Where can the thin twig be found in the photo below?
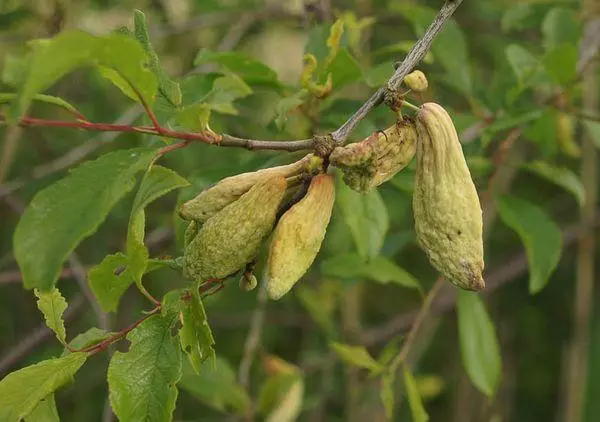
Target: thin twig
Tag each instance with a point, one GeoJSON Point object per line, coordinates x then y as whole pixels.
{"type": "Point", "coordinates": [253, 337]}
{"type": "Point", "coordinates": [416, 326]}
{"type": "Point", "coordinates": [414, 56]}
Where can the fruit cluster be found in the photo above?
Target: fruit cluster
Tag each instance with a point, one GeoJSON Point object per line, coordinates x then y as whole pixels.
{"type": "Point", "coordinates": [293, 203]}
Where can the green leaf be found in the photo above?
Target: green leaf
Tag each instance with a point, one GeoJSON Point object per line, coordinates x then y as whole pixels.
{"type": "Point", "coordinates": [250, 70]}
{"type": "Point", "coordinates": [109, 280]}
{"type": "Point", "coordinates": [344, 69]}
{"type": "Point", "coordinates": [540, 235]}
{"type": "Point", "coordinates": [22, 390]}
{"type": "Point", "coordinates": [527, 68]}
{"type": "Point", "coordinates": [356, 356]}
{"type": "Point", "coordinates": [387, 393]}
{"type": "Point", "coordinates": [142, 381]}
{"type": "Point", "coordinates": [285, 105]}
{"type": "Point", "coordinates": [281, 396]}
{"type": "Point", "coordinates": [414, 398]}
{"type": "Point", "coordinates": [65, 213]}
{"type": "Point", "coordinates": [367, 218]}
{"type": "Point", "coordinates": [166, 86]}
{"type": "Point", "coordinates": [92, 336]}
{"type": "Point", "coordinates": [515, 16]}
{"type": "Point", "coordinates": [593, 128]}
{"type": "Point", "coordinates": [48, 99]}
{"type": "Point", "coordinates": [560, 176]}
{"type": "Point", "coordinates": [225, 90]}
{"type": "Point", "coordinates": [157, 181]}
{"type": "Point", "coordinates": [53, 305]}
{"type": "Point", "coordinates": [449, 47]}
{"type": "Point", "coordinates": [390, 351]}
{"type": "Point", "coordinates": [560, 26]}
{"type": "Point", "coordinates": [479, 347]}
{"type": "Point", "coordinates": [215, 385]}
{"type": "Point", "coordinates": [45, 411]}
{"type": "Point", "coordinates": [195, 117]}
{"type": "Point", "coordinates": [196, 337]}
{"type": "Point", "coordinates": [376, 76]}
{"type": "Point", "coordinates": [379, 268]}
{"type": "Point", "coordinates": [51, 59]}
{"type": "Point", "coordinates": [561, 63]}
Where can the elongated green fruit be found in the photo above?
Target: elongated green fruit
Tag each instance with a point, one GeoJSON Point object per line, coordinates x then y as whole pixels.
{"type": "Point", "coordinates": [230, 239]}
{"type": "Point", "coordinates": [298, 236]}
{"type": "Point", "coordinates": [447, 212]}
{"type": "Point", "coordinates": [212, 200]}
{"type": "Point", "coordinates": [376, 159]}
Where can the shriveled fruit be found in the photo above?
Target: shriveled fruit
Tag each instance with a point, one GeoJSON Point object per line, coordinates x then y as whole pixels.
{"type": "Point", "coordinates": [231, 238]}
{"type": "Point", "coordinates": [378, 158]}
{"type": "Point", "coordinates": [248, 281]}
{"type": "Point", "coordinates": [298, 236]}
{"type": "Point", "coordinates": [212, 200]}
{"type": "Point", "coordinates": [417, 81]}
{"type": "Point", "coordinates": [447, 212]}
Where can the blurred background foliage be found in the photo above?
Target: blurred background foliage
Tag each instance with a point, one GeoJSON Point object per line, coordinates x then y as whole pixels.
{"type": "Point", "coordinates": [506, 70]}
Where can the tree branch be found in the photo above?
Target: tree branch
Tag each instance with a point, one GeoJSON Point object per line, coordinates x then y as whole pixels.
{"type": "Point", "coordinates": [414, 56]}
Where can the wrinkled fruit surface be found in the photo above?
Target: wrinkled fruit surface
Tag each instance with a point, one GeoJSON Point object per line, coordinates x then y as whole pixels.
{"type": "Point", "coordinates": [378, 158]}
{"type": "Point", "coordinates": [447, 212]}
{"type": "Point", "coordinates": [212, 200]}
{"type": "Point", "coordinates": [298, 236]}
{"type": "Point", "coordinates": [230, 239]}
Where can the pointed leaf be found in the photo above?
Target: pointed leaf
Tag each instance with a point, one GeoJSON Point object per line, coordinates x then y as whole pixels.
{"type": "Point", "coordinates": [48, 99]}
{"type": "Point", "coordinates": [367, 218]}
{"type": "Point", "coordinates": [561, 176]}
{"type": "Point", "coordinates": [53, 305]}
{"type": "Point", "coordinates": [540, 235]}
{"type": "Point", "coordinates": [21, 391]}
{"type": "Point", "coordinates": [92, 336]}
{"type": "Point", "coordinates": [356, 356]}
{"type": "Point", "coordinates": [215, 385]}
{"type": "Point", "coordinates": [196, 337]}
{"type": "Point", "coordinates": [387, 393]}
{"type": "Point", "coordinates": [479, 347]}
{"type": "Point", "coordinates": [65, 213]}
{"type": "Point", "coordinates": [414, 399]}
{"type": "Point", "coordinates": [142, 381]}
{"type": "Point", "coordinates": [344, 69]}
{"type": "Point", "coordinates": [109, 280]}
{"type": "Point", "coordinates": [379, 268]}
{"type": "Point", "coordinates": [166, 86]}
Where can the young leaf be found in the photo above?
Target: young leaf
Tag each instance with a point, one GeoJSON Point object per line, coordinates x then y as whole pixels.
{"type": "Point", "coordinates": [65, 213]}
{"type": "Point", "coordinates": [157, 182]}
{"type": "Point", "coordinates": [196, 337]}
{"type": "Point", "coordinates": [344, 69]}
{"type": "Point", "coordinates": [414, 399]}
{"type": "Point", "coordinates": [48, 99]}
{"type": "Point", "coordinates": [478, 343]}
{"type": "Point", "coordinates": [225, 90]}
{"type": "Point", "coordinates": [540, 235]}
{"type": "Point", "coordinates": [367, 218]}
{"type": "Point", "coordinates": [21, 391]}
{"type": "Point", "coordinates": [166, 86]}
{"type": "Point", "coordinates": [356, 356]}
{"type": "Point", "coordinates": [560, 176]}
{"type": "Point", "coordinates": [560, 26]}
{"type": "Point", "coordinates": [287, 104]}
{"type": "Point", "coordinates": [281, 395]}
{"type": "Point", "coordinates": [379, 268]}
{"type": "Point", "coordinates": [92, 336]}
{"type": "Point", "coordinates": [215, 385]}
{"type": "Point", "coordinates": [45, 411]}
{"type": "Point", "coordinates": [53, 305]}
{"type": "Point", "coordinates": [142, 381]}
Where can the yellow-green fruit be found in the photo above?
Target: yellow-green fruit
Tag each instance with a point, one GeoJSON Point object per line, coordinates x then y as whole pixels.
{"type": "Point", "coordinates": [375, 160]}
{"type": "Point", "coordinates": [214, 199]}
{"type": "Point", "coordinates": [298, 236]}
{"type": "Point", "coordinates": [230, 239]}
{"type": "Point", "coordinates": [190, 232]}
{"type": "Point", "coordinates": [447, 212]}
{"type": "Point", "coordinates": [248, 282]}
{"type": "Point", "coordinates": [417, 81]}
